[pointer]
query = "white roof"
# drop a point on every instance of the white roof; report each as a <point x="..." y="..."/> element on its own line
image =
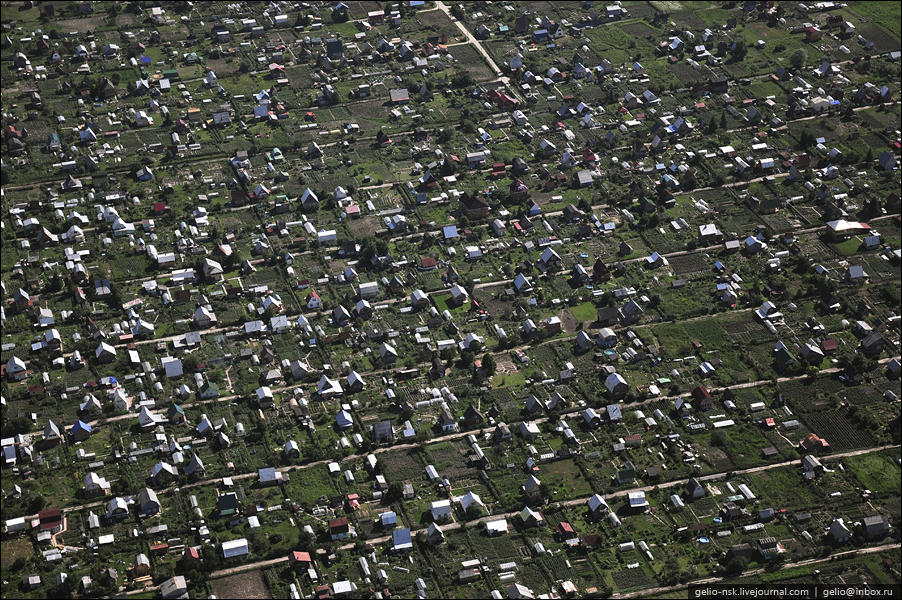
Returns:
<point x="234" y="547"/>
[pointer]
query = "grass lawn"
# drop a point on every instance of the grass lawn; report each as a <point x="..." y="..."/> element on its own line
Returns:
<point x="565" y="477"/>
<point x="880" y="12"/>
<point x="509" y="380"/>
<point x="14" y="550"/>
<point x="877" y="472"/>
<point x="584" y="312"/>
<point x="848" y="247"/>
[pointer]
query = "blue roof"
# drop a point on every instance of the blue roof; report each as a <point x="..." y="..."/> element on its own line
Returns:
<point x="81" y="426"/>
<point x="401" y="537"/>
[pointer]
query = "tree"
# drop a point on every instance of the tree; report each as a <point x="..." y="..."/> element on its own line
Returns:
<point x="461" y="80"/>
<point x="488" y="364"/>
<point x="799" y="58"/>
<point x="718" y="438"/>
<point x="466" y="357"/>
<point x="739" y="50"/>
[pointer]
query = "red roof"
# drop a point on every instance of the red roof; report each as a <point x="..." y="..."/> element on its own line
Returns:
<point x="812" y="440"/>
<point x="50" y="518"/>
<point x="828" y="345"/>
<point x="565" y="527"/>
<point x="338" y="524"/>
<point x="428" y="262"/>
<point x="192" y="552"/>
<point x="300" y="557"/>
<point x="700" y="393"/>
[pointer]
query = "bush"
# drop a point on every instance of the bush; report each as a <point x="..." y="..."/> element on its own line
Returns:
<point x="799" y="58"/>
<point x="718" y="438"/>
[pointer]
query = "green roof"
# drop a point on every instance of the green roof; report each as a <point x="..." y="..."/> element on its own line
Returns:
<point x="227" y="505"/>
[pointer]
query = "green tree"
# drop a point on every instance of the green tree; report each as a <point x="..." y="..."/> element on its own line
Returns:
<point x="799" y="58"/>
<point x="718" y="438"/>
<point x="488" y="364"/>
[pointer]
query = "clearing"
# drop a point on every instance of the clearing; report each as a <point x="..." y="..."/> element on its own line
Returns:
<point x="245" y="585"/>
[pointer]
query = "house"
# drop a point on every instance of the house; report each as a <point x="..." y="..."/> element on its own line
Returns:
<point x="141" y="566"/>
<point x="496" y="527"/>
<point x="459" y="295"/>
<point x="709" y="234"/>
<point x="105" y="353"/>
<point x="96" y="485"/>
<point x="383" y="432"/>
<point x="531" y="518"/>
<point x="269" y="476"/>
<point x="300" y="560"/>
<point x="50" y="520"/>
<point x="174" y="587"/>
<point x="702" y="397"/>
<point x="147" y="501"/>
<point x="401" y="540"/>
<point x="472" y="417"/>
<point x="694" y="489"/>
<point x="522" y="284"/>
<point x="637" y="501"/>
<point x="873" y="344"/>
<point x="813" y="443"/>
<point x="163" y="473"/>
<point x="80" y="431"/>
<point x="529" y="430"/>
<point x="440" y="510"/>
<point x="474" y="206"/>
<point x="419" y="299"/>
<point x="532" y="489"/>
<point x="235" y="548"/>
<point x="839" y="532"/>
<point x="339" y="528"/>
<point x="626" y="474"/>
<point x="227" y="504"/>
<point x="583" y="178"/>
<point x="471" y="503"/>
<point x="856" y="274"/>
<point x="195" y="466"/>
<point x="616" y="385"/>
<point x="313" y="300"/>
<point x="520" y="592"/>
<point x="16" y="369"/>
<point x="598" y="507"/>
<point x="399" y="96"/>
<point x="434" y="535"/>
<point x="811" y="466"/>
<point x="875" y="527"/>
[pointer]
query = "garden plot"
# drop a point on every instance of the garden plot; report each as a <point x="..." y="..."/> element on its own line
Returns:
<point x="469" y="59"/>
<point x="245" y="585"/>
<point x="835" y="427"/>
<point x="437" y="22"/>
<point x="690" y="264"/>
